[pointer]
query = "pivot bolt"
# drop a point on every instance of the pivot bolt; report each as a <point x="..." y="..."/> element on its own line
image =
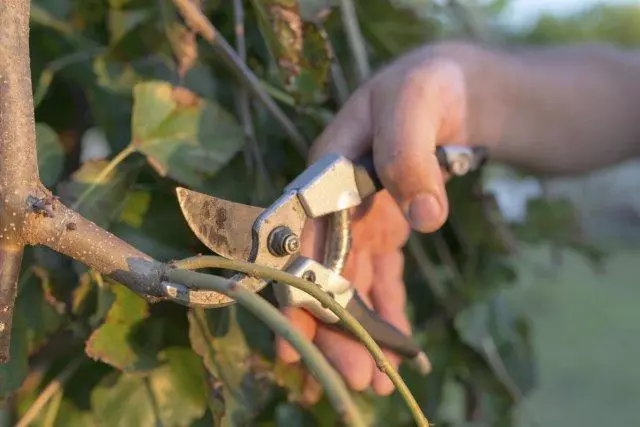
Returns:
<point x="283" y="241"/>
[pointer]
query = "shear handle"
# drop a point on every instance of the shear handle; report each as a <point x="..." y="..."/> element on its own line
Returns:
<point x="456" y="160"/>
<point x="385" y="334"/>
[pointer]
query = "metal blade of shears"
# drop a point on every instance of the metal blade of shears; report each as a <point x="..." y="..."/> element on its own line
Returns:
<point x="223" y="226"/>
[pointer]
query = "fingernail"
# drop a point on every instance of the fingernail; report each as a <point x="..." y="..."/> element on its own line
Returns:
<point x="423" y="210"/>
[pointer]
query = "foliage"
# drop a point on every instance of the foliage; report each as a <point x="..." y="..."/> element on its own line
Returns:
<point x="618" y="24"/>
<point x="167" y="105"/>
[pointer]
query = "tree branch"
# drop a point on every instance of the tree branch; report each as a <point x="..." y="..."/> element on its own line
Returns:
<point x="10" y="262"/>
<point x="69" y="233"/>
<point x="18" y="161"/>
<point x="285" y="278"/>
<point x="315" y="361"/>
<point x="199" y="23"/>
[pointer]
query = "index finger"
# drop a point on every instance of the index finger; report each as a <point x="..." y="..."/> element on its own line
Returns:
<point x="350" y="133"/>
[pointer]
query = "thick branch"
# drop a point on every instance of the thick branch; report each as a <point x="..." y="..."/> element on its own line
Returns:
<point x="18" y="161"/>
<point x="10" y="261"/>
<point x="69" y="233"/>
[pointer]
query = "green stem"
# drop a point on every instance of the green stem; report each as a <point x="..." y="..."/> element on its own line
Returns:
<point x="119" y="158"/>
<point x="313" y="358"/>
<point x="355" y="39"/>
<point x="378" y="355"/>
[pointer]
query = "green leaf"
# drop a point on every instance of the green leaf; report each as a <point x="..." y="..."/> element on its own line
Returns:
<point x="218" y="339"/>
<point x="115" y="341"/>
<point x="103" y="202"/>
<point x="179" y="386"/>
<point x="183" y="136"/>
<point x="50" y="154"/>
<point x="171" y="395"/>
<point x="40" y="316"/>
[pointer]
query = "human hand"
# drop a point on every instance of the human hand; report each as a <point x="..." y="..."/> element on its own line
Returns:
<point x="402" y="114"/>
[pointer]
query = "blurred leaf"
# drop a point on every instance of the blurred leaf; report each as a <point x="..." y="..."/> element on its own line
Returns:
<point x="114" y="342"/>
<point x="300" y="49"/>
<point x="393" y="29"/>
<point x="502" y="339"/>
<point x="50" y="154"/>
<point x="103" y="203"/>
<point x="183" y="136"/>
<point x="218" y="339"/>
<point x="557" y="221"/>
<point x="290" y="414"/>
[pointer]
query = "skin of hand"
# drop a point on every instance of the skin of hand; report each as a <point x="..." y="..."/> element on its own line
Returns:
<point x="456" y="93"/>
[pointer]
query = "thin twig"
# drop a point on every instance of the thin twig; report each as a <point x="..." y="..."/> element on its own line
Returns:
<point x="355" y="39"/>
<point x="313" y="358"/>
<point x="49" y="391"/>
<point x="378" y="355"/>
<point x="198" y="22"/>
<point x="243" y="101"/>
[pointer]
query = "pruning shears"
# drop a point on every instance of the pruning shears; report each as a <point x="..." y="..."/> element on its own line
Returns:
<point x="271" y="237"/>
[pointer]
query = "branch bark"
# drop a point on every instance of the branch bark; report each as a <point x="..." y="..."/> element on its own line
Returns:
<point x="18" y="162"/>
<point x="10" y="261"/>
<point x="69" y="233"/>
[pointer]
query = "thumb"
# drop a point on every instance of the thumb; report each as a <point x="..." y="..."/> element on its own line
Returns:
<point x="414" y="114"/>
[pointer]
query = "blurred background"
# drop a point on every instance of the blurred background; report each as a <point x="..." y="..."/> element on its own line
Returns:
<point x="584" y="324"/>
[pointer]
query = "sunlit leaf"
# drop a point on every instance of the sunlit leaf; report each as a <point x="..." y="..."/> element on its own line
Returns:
<point x="50" y="154"/>
<point x="179" y="387"/>
<point x="115" y="341"/>
<point x="103" y="193"/>
<point x="183" y="136"/>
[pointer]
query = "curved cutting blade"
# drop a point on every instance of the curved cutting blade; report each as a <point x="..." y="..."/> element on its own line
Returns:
<point x="223" y="226"/>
